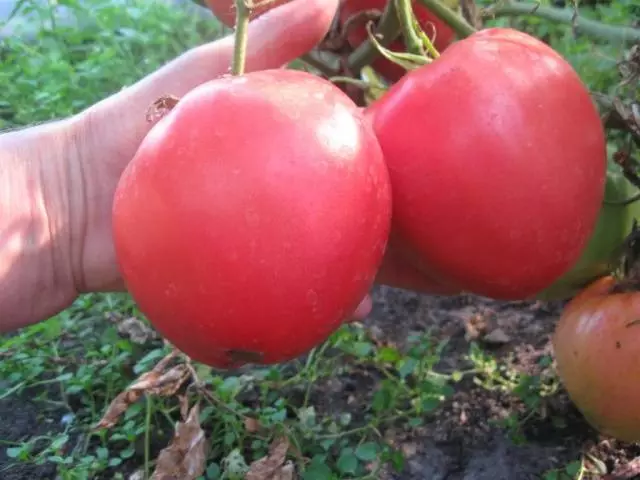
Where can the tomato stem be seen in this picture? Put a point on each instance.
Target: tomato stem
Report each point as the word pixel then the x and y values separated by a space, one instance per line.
pixel 408 25
pixel 387 31
pixel 243 12
pixel 451 18
pixel 408 61
pixel 593 28
pixel 324 62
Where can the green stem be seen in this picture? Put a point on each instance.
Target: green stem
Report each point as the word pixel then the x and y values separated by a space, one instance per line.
pixel 388 28
pixel 566 15
pixel 327 66
pixel 411 39
pixel 147 438
pixel 451 18
pixel 240 40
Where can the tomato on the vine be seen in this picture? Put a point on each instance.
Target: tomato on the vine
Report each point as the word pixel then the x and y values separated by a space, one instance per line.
pixel 441 33
pixel 254 217
pixel 615 221
pixel 596 344
pixel 497 159
pixel 225 10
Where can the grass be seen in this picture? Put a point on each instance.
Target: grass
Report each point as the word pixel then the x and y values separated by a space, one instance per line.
pixel 74 364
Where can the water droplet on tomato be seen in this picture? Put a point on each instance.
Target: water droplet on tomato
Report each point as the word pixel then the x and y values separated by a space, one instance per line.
pixel 312 297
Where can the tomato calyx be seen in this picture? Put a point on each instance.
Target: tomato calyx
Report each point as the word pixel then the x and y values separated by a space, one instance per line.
pixel 408 61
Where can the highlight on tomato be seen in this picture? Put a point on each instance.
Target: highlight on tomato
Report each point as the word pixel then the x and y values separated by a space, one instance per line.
pixel 250 224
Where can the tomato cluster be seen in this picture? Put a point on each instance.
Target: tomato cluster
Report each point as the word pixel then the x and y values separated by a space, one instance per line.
pixel 259 211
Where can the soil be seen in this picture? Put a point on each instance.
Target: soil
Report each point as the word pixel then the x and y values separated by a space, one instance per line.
pixel 461 440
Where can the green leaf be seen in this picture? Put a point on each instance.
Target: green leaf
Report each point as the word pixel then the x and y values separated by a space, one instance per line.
pixel 65 377
pixel 59 442
pixel 213 472
pixel 347 462
pixel 388 355
pixel 383 398
pixel 407 366
pixel 367 451
pixel 102 453
pixel 128 452
pixel 573 468
pixel 327 443
pixel 362 349
pixel 430 404
pixel 317 471
pixel 415 422
pixel 14 452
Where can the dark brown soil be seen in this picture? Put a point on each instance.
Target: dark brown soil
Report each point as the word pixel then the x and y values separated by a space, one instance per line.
pixel 22 419
pixel 462 442
pixel 463 439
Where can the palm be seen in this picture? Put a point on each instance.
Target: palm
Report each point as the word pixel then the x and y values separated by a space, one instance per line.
pixel 115 127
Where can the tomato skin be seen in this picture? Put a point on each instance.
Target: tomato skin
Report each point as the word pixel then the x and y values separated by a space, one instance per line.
pixel 400 270
pixel 596 344
pixel 430 23
pixel 497 161
pixel 254 217
pixel 225 10
pixel 615 221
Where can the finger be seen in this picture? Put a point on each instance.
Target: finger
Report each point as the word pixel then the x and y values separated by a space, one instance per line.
pixel 274 39
pixel 363 310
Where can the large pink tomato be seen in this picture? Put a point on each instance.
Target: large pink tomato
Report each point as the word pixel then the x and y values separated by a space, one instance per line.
pixel 254 217
pixel 497 160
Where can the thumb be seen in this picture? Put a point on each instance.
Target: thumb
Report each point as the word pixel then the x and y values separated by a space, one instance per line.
pixel 274 39
pixel 362 311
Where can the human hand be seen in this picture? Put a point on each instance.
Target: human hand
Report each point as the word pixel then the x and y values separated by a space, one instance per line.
pixel 114 128
pixel 63 175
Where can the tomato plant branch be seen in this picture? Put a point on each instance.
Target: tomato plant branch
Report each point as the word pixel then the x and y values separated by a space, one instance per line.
pixel 325 63
pixel 240 40
pixel 388 29
pixel 565 15
pixel 407 24
pixel 451 18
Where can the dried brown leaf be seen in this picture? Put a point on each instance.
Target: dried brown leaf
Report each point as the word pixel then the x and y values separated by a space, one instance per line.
pixel 161 107
pixel 185 457
pixel 251 425
pixel 136 330
pixel 273 466
pixel 496 337
pixel 154 382
pixel 166 384
pixel 628 470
